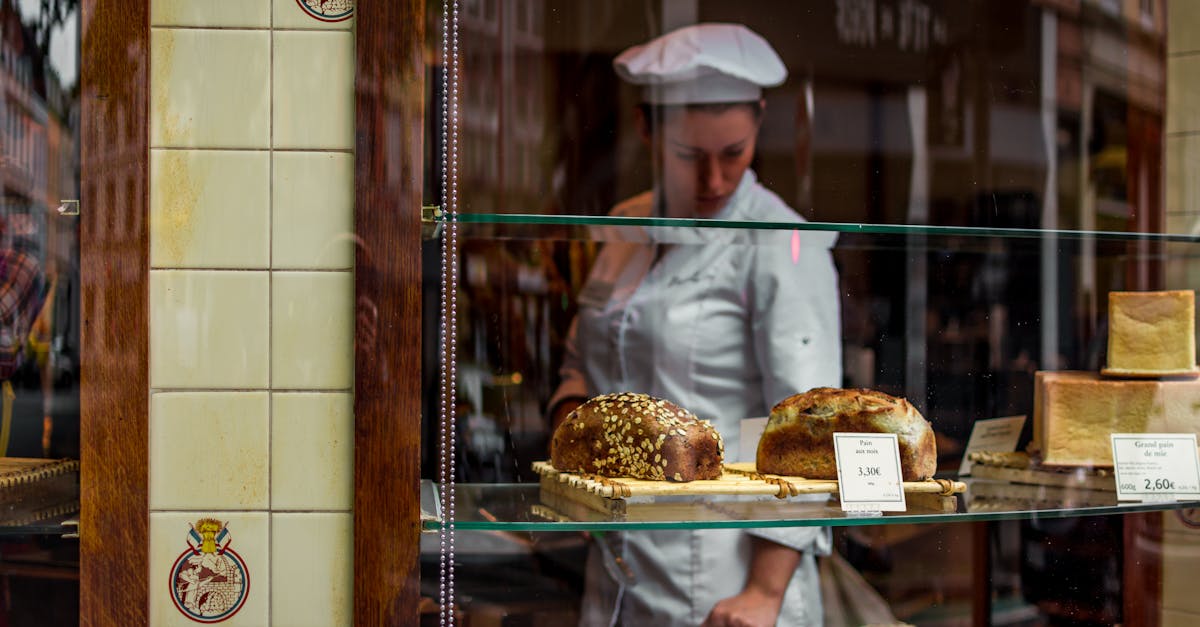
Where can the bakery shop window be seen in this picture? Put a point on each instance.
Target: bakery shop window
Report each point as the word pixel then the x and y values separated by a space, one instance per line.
pixel 990 118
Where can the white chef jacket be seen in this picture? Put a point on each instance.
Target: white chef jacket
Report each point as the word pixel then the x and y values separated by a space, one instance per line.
pixel 726 324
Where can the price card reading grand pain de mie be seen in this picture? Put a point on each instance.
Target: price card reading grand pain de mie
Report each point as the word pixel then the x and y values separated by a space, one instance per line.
pixel 869 475
pixel 1156 466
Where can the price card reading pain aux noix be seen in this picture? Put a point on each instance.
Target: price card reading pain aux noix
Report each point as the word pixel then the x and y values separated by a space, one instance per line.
pixel 869 476
pixel 1156 466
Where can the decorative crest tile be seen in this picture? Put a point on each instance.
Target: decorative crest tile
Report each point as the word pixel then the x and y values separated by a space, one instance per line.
pixel 328 10
pixel 209 580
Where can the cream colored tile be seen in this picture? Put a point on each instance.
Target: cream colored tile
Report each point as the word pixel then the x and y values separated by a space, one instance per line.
pixel 1172 525
pixel 312 330
pixel 227 13
pixel 1183 179
pixel 308 14
pixel 1179 562
pixel 1173 618
pixel 208 329
pixel 247 556
pixel 1175 265
pixel 1183 94
pixel 313 217
pixel 209 450
pixel 313 90
pixel 1183 30
pixel 312 451
pixel 209 208
pixel 210 88
pixel 312 578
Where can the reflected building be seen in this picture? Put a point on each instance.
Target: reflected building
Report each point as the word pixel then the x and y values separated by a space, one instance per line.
pixel 39 169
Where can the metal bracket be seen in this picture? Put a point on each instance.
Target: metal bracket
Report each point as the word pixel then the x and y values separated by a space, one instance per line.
pixel 70 528
pixel 431 221
pixel 68 208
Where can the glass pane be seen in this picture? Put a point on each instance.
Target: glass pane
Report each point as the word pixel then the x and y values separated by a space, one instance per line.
pixel 39 305
pixel 947 192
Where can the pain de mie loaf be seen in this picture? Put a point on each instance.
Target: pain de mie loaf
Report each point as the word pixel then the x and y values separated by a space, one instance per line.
pixel 798 438
pixel 635 435
pixel 1151 333
pixel 1074 412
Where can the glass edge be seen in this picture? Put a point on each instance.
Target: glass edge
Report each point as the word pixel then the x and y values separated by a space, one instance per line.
pixel 960 517
pixel 833 227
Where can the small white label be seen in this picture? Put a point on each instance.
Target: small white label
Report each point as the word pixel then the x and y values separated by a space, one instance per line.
pixel 994 434
pixel 869 475
pixel 750 432
pixel 1156 466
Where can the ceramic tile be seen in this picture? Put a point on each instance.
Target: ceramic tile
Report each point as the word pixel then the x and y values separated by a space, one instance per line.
pixel 246 556
pixel 1178 576
pixel 309 14
pixel 313 216
pixel 313 90
pixel 208 329
pixel 210 88
pixel 225 13
pixel 1174 618
pixel 312 451
pixel 209 208
pixel 1183 178
pixel 1183 33
pixel 209 450
pixel 1183 94
pixel 312 330
pixel 1171 524
pixel 312 578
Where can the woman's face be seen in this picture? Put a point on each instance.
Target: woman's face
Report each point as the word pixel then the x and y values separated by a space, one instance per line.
pixel 701 155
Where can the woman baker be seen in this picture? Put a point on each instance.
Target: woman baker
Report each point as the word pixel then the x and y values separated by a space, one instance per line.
pixel 724 322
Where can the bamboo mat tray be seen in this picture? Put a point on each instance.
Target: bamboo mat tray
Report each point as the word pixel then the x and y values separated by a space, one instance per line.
pixel 32 490
pixel 613 494
pixel 1022 469
pixel 15 471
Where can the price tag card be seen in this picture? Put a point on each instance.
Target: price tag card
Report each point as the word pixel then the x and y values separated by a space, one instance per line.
pixel 1156 466
pixel 994 434
pixel 869 476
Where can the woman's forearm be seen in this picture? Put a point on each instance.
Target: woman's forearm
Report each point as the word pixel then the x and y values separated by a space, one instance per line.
pixel 771 567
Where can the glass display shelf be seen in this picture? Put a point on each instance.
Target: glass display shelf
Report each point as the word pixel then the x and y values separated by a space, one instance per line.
pixel 935 231
pixel 522 507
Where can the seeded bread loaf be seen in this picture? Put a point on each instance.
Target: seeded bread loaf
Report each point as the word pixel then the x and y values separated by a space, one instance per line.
pixel 798 438
pixel 635 435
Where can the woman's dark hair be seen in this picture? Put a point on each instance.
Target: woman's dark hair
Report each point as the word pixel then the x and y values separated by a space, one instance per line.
pixel 654 114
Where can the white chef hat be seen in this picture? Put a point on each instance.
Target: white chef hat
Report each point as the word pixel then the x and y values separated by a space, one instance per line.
pixel 702 63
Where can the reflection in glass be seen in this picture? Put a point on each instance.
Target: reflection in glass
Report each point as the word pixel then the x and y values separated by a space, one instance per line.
pixel 39 282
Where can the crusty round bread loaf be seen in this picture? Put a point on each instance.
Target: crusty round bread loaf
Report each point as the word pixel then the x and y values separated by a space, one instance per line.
pixel 635 435
pixel 798 439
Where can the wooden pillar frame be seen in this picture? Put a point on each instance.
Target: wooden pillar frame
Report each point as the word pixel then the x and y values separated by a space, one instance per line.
pixel 114 399
pixel 390 102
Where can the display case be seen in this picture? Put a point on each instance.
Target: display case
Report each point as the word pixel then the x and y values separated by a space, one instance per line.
pixel 964 185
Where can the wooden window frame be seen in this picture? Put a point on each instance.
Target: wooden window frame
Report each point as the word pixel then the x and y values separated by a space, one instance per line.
pixel 114 398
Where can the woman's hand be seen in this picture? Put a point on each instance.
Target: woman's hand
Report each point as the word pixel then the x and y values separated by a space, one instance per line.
pixel 757 605
pixel 750 608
